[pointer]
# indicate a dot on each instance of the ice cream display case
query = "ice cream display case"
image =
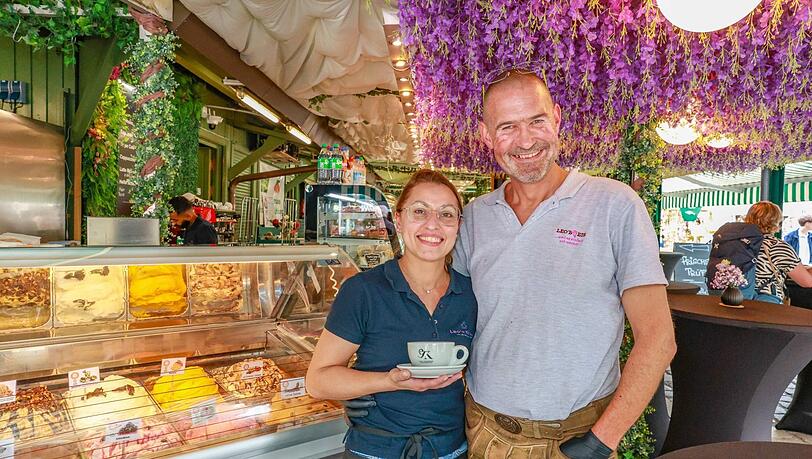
(165, 351)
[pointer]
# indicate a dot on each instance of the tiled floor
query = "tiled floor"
(780, 410)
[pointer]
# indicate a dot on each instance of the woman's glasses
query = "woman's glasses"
(447, 216)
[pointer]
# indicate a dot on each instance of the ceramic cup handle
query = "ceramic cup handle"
(459, 361)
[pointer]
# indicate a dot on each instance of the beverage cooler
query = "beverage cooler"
(165, 351)
(351, 217)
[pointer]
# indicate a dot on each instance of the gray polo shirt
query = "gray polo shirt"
(550, 318)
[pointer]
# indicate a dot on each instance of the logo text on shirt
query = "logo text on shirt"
(572, 237)
(462, 330)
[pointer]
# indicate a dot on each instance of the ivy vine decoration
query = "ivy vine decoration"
(66, 24)
(100, 151)
(156, 163)
(640, 165)
(187, 105)
(317, 102)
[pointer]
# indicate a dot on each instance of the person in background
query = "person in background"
(417, 297)
(391, 231)
(776, 259)
(194, 230)
(801, 239)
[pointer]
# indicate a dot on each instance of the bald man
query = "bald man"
(558, 259)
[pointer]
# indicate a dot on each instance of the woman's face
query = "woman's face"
(429, 221)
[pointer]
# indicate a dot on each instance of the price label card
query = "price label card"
(8, 392)
(293, 387)
(173, 366)
(83, 377)
(252, 369)
(123, 431)
(373, 259)
(7, 448)
(203, 412)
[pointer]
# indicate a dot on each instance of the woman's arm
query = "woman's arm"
(801, 275)
(328, 377)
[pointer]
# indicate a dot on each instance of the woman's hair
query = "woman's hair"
(428, 176)
(765, 215)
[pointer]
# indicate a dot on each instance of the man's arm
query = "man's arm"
(654, 347)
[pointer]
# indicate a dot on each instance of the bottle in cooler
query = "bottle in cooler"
(323, 164)
(337, 165)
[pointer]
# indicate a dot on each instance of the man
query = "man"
(556, 258)
(801, 239)
(195, 230)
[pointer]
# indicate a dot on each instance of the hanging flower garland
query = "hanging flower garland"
(610, 63)
(157, 167)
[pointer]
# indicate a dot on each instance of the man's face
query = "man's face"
(179, 219)
(808, 226)
(521, 125)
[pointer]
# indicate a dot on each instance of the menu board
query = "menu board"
(693, 265)
(126, 171)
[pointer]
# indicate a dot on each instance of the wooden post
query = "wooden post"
(77, 193)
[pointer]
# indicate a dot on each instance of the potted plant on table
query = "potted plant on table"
(729, 278)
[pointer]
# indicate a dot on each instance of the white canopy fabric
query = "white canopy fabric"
(310, 48)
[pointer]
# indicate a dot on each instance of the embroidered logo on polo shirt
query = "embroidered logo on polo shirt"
(462, 330)
(571, 237)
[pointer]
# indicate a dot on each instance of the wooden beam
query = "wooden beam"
(270, 133)
(77, 194)
(97, 57)
(295, 181)
(267, 147)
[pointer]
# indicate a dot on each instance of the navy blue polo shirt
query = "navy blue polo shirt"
(378, 311)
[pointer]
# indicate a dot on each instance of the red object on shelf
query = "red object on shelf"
(206, 213)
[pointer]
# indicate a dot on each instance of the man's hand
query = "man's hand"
(402, 380)
(359, 407)
(587, 447)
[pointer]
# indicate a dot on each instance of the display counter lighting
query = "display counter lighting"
(258, 106)
(705, 16)
(295, 132)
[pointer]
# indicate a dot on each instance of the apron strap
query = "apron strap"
(414, 442)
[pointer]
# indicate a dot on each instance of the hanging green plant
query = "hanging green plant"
(66, 24)
(100, 152)
(187, 105)
(157, 167)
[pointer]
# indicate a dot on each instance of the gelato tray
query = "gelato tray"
(157, 291)
(25, 298)
(87, 295)
(216, 288)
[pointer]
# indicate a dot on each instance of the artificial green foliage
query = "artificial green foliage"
(153, 124)
(187, 107)
(100, 153)
(64, 28)
(316, 102)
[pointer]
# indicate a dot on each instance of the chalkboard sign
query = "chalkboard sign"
(693, 265)
(126, 171)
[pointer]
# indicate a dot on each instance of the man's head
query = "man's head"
(806, 222)
(520, 124)
(183, 213)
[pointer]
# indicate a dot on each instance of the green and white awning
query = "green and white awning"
(793, 192)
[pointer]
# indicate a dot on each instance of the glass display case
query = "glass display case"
(157, 351)
(353, 218)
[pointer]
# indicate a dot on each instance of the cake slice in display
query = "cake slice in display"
(37, 414)
(114, 399)
(25, 298)
(157, 291)
(182, 392)
(89, 295)
(246, 379)
(216, 288)
(152, 436)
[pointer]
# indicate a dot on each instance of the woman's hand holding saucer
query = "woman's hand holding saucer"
(403, 380)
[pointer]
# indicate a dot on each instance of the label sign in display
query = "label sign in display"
(8, 391)
(7, 448)
(203, 412)
(692, 266)
(173, 366)
(293, 387)
(83, 377)
(123, 431)
(252, 369)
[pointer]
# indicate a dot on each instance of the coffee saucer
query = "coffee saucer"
(424, 372)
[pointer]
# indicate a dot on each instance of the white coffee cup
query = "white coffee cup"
(436, 353)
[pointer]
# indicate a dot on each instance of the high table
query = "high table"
(731, 367)
(743, 450)
(799, 412)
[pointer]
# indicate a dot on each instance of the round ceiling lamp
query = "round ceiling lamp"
(406, 93)
(397, 42)
(403, 79)
(681, 134)
(400, 63)
(721, 141)
(704, 15)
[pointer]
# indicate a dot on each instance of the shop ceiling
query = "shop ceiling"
(320, 62)
(793, 173)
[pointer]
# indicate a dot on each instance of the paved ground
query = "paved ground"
(778, 435)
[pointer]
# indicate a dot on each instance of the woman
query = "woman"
(776, 260)
(416, 297)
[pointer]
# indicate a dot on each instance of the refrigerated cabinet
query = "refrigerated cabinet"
(182, 351)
